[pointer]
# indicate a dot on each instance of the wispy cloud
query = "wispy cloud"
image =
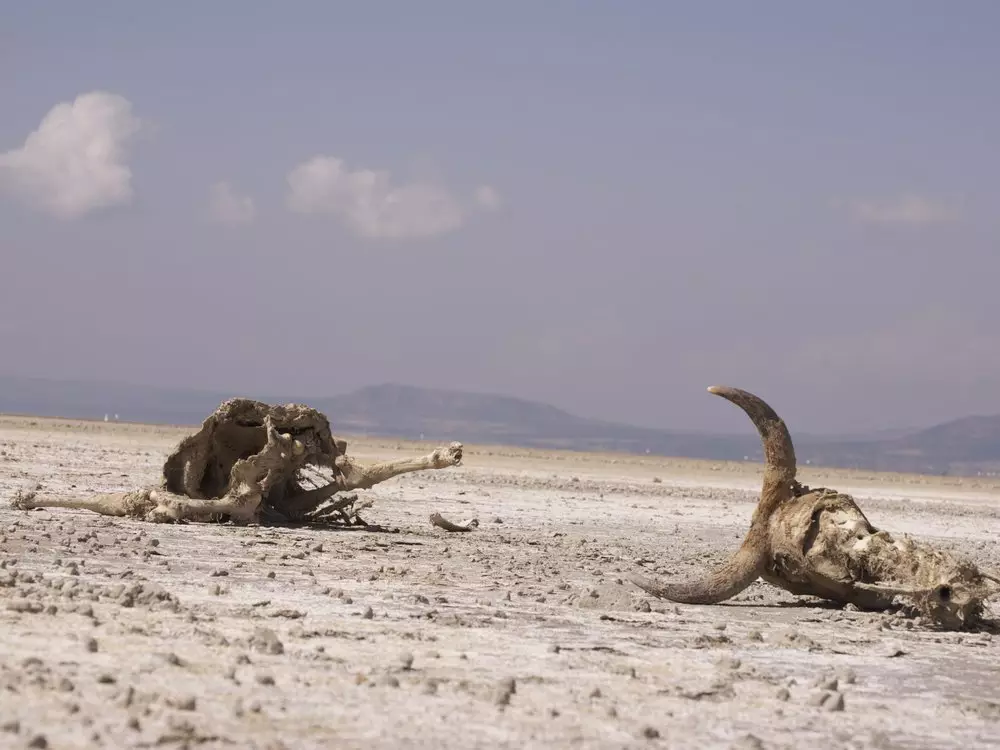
(372, 207)
(907, 210)
(76, 161)
(227, 206)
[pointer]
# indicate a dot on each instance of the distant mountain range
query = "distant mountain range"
(967, 446)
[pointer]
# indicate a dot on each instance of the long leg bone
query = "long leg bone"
(146, 504)
(359, 477)
(356, 476)
(125, 504)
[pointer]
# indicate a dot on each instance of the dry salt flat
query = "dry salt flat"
(524, 633)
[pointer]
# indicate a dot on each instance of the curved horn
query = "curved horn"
(746, 564)
(779, 453)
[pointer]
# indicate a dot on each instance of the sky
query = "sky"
(604, 206)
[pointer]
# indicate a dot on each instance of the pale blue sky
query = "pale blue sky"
(795, 198)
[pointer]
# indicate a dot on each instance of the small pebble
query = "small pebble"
(828, 700)
(834, 702)
(266, 641)
(504, 690)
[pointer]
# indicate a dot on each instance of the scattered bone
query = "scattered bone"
(441, 522)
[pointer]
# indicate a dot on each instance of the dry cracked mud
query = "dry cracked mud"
(522, 633)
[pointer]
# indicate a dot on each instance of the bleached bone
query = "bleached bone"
(354, 476)
(817, 542)
(245, 464)
(443, 523)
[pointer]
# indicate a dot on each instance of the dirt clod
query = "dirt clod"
(504, 690)
(266, 641)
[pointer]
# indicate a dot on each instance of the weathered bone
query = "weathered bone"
(817, 542)
(441, 522)
(354, 476)
(245, 465)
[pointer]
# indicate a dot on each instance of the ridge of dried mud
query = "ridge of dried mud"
(520, 634)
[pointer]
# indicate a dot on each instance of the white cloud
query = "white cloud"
(904, 210)
(76, 161)
(227, 206)
(367, 202)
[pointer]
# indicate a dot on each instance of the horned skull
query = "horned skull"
(818, 542)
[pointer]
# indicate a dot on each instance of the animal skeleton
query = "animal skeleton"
(817, 542)
(245, 465)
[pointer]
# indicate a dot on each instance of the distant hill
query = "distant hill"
(964, 446)
(407, 411)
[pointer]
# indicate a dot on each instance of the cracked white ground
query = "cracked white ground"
(123, 634)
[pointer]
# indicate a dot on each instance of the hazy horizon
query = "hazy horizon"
(309, 397)
(606, 209)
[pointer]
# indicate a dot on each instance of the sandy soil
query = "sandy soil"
(521, 634)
